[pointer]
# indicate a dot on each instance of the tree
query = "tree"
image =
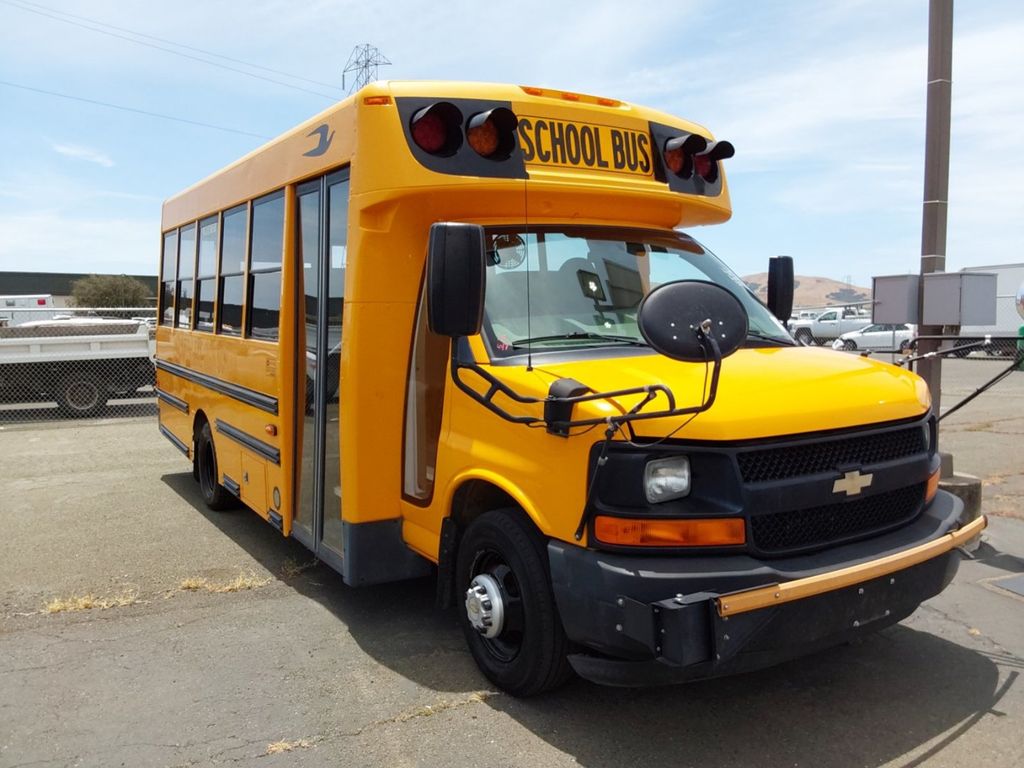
(109, 291)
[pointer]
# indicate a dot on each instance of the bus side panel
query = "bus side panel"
(377, 346)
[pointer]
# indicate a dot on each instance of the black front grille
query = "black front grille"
(802, 529)
(779, 463)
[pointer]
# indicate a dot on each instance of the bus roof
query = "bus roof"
(328, 139)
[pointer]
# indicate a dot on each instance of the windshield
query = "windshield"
(585, 285)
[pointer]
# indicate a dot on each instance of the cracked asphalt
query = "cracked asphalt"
(294, 668)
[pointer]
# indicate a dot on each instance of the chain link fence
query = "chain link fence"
(63, 363)
(60, 363)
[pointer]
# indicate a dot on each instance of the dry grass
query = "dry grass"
(89, 602)
(240, 583)
(287, 746)
(292, 568)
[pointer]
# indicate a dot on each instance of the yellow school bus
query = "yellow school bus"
(462, 329)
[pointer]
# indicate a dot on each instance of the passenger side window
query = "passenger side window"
(186, 276)
(265, 267)
(231, 291)
(206, 274)
(168, 275)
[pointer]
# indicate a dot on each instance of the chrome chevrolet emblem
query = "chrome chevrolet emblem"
(852, 483)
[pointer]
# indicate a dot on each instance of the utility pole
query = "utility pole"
(364, 61)
(936, 176)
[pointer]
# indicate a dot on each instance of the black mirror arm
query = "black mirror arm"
(650, 392)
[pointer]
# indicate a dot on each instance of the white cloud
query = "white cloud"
(84, 153)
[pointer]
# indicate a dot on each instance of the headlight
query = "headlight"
(837, 344)
(667, 479)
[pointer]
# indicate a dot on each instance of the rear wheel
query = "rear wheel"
(510, 619)
(215, 495)
(82, 395)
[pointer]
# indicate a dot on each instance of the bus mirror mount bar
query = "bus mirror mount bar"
(555, 406)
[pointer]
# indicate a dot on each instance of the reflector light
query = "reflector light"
(492, 134)
(41, 302)
(649, 532)
(679, 152)
(376, 101)
(436, 129)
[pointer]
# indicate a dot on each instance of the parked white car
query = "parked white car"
(878, 336)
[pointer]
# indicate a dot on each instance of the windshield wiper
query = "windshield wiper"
(585, 335)
(756, 336)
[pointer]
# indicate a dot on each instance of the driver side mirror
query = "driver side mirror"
(456, 278)
(780, 287)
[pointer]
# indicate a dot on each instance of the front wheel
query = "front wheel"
(510, 619)
(849, 345)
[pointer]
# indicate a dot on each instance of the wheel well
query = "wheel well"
(472, 499)
(197, 426)
(475, 497)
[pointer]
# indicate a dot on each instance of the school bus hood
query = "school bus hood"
(761, 392)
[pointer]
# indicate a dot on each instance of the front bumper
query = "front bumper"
(653, 620)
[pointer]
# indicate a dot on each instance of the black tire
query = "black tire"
(849, 345)
(529, 655)
(81, 395)
(215, 495)
(805, 337)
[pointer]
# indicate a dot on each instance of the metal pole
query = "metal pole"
(936, 173)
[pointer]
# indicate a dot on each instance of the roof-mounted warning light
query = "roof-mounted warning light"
(492, 134)
(437, 129)
(679, 152)
(706, 163)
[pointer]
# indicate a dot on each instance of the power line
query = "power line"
(170, 50)
(178, 45)
(132, 109)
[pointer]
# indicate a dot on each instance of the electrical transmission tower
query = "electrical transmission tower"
(363, 61)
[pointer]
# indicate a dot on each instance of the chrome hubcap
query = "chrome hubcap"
(484, 605)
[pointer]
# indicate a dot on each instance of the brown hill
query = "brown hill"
(812, 291)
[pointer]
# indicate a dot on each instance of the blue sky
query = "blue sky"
(825, 102)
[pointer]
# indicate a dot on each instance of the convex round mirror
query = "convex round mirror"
(1020, 300)
(671, 314)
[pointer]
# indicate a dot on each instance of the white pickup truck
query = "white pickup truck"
(79, 363)
(828, 326)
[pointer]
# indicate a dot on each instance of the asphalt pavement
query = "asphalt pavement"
(211, 640)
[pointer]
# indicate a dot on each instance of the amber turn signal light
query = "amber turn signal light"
(654, 532)
(933, 486)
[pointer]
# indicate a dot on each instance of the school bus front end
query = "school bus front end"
(591, 501)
